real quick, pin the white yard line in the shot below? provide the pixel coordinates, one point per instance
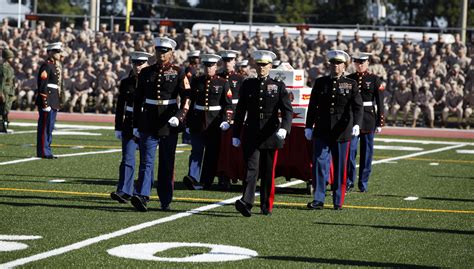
(423, 142)
(138, 227)
(62, 156)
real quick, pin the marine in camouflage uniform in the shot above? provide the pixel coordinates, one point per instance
(7, 92)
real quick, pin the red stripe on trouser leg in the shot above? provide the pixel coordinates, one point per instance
(43, 134)
(272, 191)
(344, 178)
(331, 172)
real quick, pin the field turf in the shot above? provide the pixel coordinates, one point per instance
(418, 213)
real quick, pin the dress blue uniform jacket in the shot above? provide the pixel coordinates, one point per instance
(334, 108)
(49, 73)
(206, 92)
(262, 99)
(371, 90)
(124, 118)
(235, 82)
(158, 83)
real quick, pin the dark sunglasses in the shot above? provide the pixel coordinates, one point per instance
(262, 64)
(56, 51)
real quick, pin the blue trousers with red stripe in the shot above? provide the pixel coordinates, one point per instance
(323, 151)
(365, 160)
(127, 166)
(45, 129)
(166, 158)
(260, 163)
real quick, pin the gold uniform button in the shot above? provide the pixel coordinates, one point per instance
(333, 96)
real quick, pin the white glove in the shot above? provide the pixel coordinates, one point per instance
(308, 133)
(235, 142)
(355, 130)
(136, 133)
(224, 126)
(378, 130)
(187, 131)
(47, 109)
(118, 135)
(281, 134)
(174, 122)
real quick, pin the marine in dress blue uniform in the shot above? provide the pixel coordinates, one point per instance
(157, 117)
(371, 89)
(49, 82)
(235, 81)
(210, 113)
(124, 128)
(334, 114)
(261, 99)
(192, 70)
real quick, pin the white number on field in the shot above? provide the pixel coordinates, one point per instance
(147, 251)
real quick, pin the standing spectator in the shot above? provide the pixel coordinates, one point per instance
(261, 99)
(335, 113)
(49, 82)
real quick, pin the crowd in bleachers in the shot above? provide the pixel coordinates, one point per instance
(431, 78)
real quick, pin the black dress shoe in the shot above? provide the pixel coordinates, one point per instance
(139, 203)
(166, 208)
(336, 207)
(120, 197)
(242, 207)
(315, 205)
(49, 157)
(266, 212)
(349, 188)
(191, 183)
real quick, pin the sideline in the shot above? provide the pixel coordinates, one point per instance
(62, 156)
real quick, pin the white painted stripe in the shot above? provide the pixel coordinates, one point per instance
(19, 237)
(75, 133)
(382, 147)
(419, 154)
(423, 142)
(465, 151)
(411, 198)
(138, 227)
(62, 155)
(434, 164)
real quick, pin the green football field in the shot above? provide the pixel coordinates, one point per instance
(419, 212)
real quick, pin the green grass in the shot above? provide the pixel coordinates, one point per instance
(376, 229)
